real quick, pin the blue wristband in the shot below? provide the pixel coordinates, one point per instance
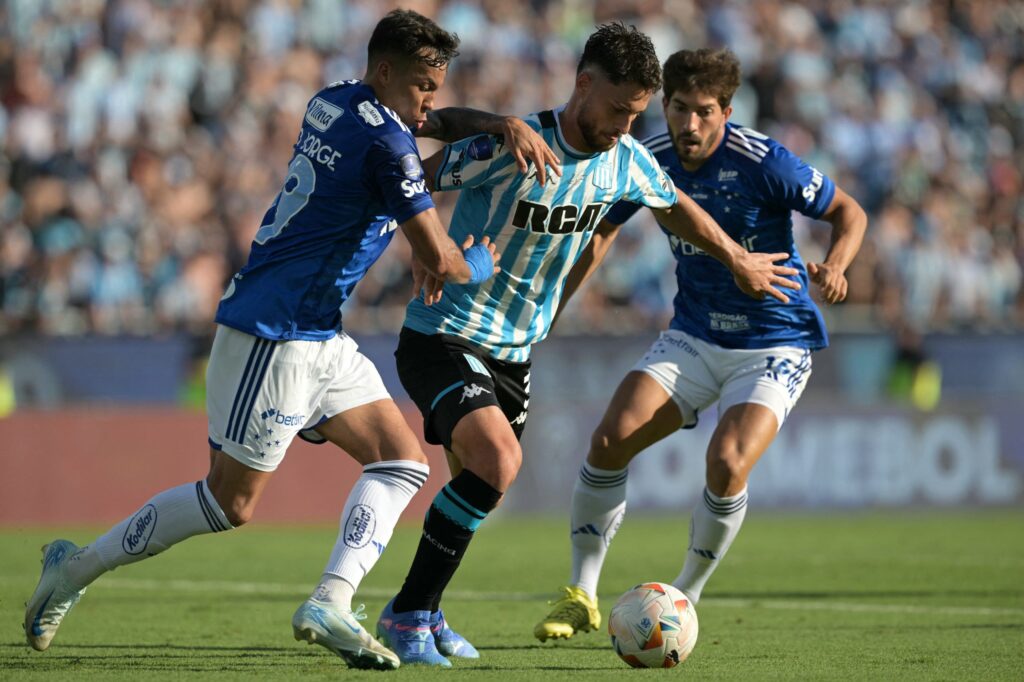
(481, 264)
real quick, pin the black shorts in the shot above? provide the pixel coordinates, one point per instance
(447, 378)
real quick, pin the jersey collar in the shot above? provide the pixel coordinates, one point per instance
(566, 147)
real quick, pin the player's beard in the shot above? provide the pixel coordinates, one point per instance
(697, 153)
(595, 139)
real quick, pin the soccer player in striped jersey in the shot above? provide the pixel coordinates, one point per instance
(465, 360)
(281, 362)
(751, 356)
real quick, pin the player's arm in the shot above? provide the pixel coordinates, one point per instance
(524, 143)
(439, 259)
(849, 223)
(757, 274)
(587, 263)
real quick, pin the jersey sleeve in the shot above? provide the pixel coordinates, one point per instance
(621, 211)
(393, 164)
(474, 161)
(648, 184)
(793, 184)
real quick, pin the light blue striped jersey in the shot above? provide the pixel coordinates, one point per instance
(539, 231)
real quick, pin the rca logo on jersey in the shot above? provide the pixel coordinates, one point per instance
(811, 190)
(321, 114)
(411, 188)
(558, 220)
(370, 114)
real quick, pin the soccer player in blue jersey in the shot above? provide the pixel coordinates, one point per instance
(281, 362)
(752, 357)
(465, 360)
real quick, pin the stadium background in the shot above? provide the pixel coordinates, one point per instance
(143, 140)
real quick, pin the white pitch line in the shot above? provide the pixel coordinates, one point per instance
(232, 587)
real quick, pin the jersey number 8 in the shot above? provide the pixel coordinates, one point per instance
(292, 198)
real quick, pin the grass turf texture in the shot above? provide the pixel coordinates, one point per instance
(901, 595)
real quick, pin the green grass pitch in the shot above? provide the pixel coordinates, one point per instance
(881, 596)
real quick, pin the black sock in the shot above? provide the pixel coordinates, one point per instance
(454, 515)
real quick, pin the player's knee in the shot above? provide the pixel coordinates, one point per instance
(496, 461)
(239, 512)
(727, 469)
(608, 449)
(238, 509)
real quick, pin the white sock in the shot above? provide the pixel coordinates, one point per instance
(336, 591)
(598, 506)
(167, 519)
(367, 522)
(714, 525)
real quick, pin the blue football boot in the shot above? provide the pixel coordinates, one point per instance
(409, 635)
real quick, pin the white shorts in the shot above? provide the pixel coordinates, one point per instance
(696, 373)
(260, 393)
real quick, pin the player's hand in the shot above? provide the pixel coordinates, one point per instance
(486, 241)
(423, 281)
(527, 146)
(830, 280)
(759, 275)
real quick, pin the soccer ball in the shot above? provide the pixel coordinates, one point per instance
(653, 625)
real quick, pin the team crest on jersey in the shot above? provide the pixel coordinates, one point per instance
(410, 164)
(370, 114)
(603, 177)
(321, 114)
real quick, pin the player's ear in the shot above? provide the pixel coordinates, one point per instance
(583, 81)
(385, 71)
(727, 112)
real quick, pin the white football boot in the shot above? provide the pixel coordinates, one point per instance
(53, 597)
(339, 631)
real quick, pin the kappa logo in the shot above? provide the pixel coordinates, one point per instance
(472, 391)
(520, 420)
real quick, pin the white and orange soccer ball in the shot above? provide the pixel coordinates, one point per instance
(653, 625)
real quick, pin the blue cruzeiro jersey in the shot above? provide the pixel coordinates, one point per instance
(540, 231)
(354, 176)
(750, 185)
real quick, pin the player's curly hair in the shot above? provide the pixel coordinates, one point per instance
(410, 35)
(624, 54)
(713, 72)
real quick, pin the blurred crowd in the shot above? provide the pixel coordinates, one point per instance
(142, 141)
